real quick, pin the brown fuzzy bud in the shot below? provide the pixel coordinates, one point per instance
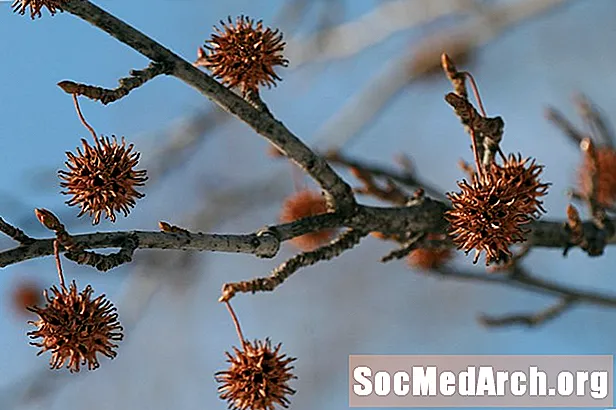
(49, 220)
(166, 227)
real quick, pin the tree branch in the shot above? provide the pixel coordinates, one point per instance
(105, 96)
(345, 241)
(406, 177)
(424, 216)
(14, 233)
(260, 244)
(339, 192)
(531, 284)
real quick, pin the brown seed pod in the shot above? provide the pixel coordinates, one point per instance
(25, 294)
(257, 377)
(606, 176)
(303, 204)
(75, 328)
(488, 216)
(243, 54)
(523, 174)
(20, 6)
(102, 178)
(427, 258)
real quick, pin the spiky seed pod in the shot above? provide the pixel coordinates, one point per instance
(606, 176)
(26, 294)
(75, 328)
(427, 258)
(20, 6)
(257, 377)
(243, 54)
(102, 178)
(487, 216)
(303, 204)
(523, 174)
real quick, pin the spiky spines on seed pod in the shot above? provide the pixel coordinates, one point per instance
(257, 378)
(490, 213)
(35, 6)
(102, 178)
(243, 54)
(75, 328)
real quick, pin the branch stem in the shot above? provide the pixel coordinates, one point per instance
(83, 120)
(56, 252)
(236, 323)
(339, 193)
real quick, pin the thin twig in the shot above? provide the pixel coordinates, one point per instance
(475, 92)
(405, 178)
(530, 319)
(77, 253)
(405, 249)
(83, 120)
(484, 114)
(564, 125)
(127, 84)
(236, 323)
(486, 133)
(478, 163)
(531, 284)
(391, 193)
(469, 116)
(56, 252)
(102, 262)
(595, 121)
(345, 241)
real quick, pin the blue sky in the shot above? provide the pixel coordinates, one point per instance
(324, 313)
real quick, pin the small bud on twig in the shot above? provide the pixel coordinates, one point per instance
(49, 220)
